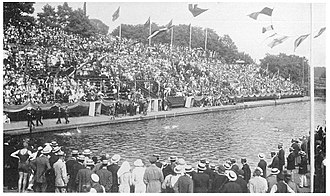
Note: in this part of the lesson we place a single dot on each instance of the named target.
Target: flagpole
(205, 39)
(172, 38)
(190, 28)
(312, 163)
(150, 32)
(120, 31)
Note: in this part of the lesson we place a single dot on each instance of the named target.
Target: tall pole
(150, 32)
(205, 39)
(172, 38)
(312, 99)
(303, 73)
(190, 29)
(120, 31)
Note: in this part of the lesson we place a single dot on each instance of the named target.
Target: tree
(289, 66)
(100, 27)
(48, 17)
(79, 23)
(63, 12)
(17, 14)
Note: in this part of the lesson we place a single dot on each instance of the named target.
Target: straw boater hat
(201, 166)
(203, 160)
(259, 169)
(179, 169)
(138, 163)
(46, 150)
(274, 171)
(74, 152)
(261, 155)
(95, 178)
(188, 168)
(172, 158)
(56, 149)
(54, 143)
(227, 166)
(231, 175)
(60, 153)
(89, 162)
(115, 158)
(302, 153)
(87, 152)
(81, 157)
(181, 161)
(105, 162)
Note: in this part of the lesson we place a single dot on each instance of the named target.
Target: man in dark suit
(262, 164)
(241, 181)
(70, 169)
(105, 176)
(281, 156)
(29, 116)
(185, 183)
(83, 178)
(38, 116)
(113, 168)
(158, 163)
(201, 180)
(76, 166)
(275, 161)
(219, 180)
(66, 115)
(59, 113)
(41, 165)
(246, 169)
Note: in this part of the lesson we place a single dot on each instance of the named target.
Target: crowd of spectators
(48, 65)
(33, 165)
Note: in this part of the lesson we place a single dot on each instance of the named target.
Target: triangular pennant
(299, 40)
(116, 14)
(147, 24)
(277, 41)
(267, 11)
(196, 10)
(269, 28)
(320, 32)
(254, 15)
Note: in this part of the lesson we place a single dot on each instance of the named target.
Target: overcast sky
(292, 19)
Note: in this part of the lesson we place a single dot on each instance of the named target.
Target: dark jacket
(76, 166)
(218, 182)
(113, 168)
(40, 165)
(243, 184)
(281, 157)
(105, 179)
(275, 163)
(290, 162)
(201, 182)
(231, 187)
(83, 178)
(263, 165)
(303, 165)
(184, 185)
(247, 172)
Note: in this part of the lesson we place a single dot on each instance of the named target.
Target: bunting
(162, 30)
(320, 32)
(269, 28)
(116, 14)
(299, 40)
(266, 11)
(195, 11)
(147, 23)
(277, 41)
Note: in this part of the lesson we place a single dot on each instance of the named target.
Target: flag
(116, 14)
(267, 11)
(299, 40)
(254, 15)
(269, 28)
(147, 24)
(196, 10)
(169, 25)
(155, 33)
(320, 32)
(277, 41)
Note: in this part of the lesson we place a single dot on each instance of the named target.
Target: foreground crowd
(46, 169)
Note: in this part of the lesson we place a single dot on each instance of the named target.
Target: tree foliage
(100, 27)
(289, 66)
(18, 14)
(222, 47)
